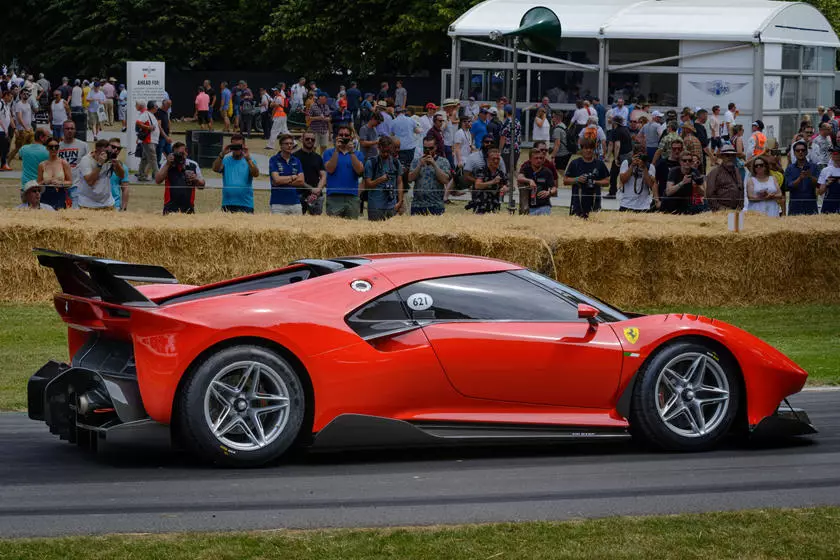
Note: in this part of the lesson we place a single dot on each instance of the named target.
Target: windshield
(608, 313)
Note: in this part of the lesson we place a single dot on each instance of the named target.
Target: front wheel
(686, 398)
(243, 406)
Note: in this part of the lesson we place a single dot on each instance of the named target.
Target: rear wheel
(686, 398)
(243, 406)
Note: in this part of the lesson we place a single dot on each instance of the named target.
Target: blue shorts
(210, 113)
(540, 211)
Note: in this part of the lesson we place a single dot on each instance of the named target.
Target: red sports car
(386, 350)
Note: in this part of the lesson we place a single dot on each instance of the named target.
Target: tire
(227, 419)
(676, 411)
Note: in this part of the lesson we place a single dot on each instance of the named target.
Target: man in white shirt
(298, 93)
(621, 110)
(637, 177)
(110, 93)
(72, 151)
(76, 97)
(729, 122)
(23, 123)
(95, 171)
(715, 126)
(96, 99)
(7, 128)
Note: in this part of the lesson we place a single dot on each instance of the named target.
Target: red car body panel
(485, 372)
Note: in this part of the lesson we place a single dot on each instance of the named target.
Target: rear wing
(104, 279)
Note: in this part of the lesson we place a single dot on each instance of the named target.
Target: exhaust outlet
(93, 400)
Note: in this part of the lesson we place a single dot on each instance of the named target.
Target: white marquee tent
(775, 60)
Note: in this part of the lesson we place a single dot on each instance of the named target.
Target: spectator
(383, 92)
(44, 88)
(479, 127)
(383, 128)
(463, 143)
(680, 186)
(436, 132)
(594, 132)
(536, 184)
(691, 143)
(354, 103)
(32, 156)
(248, 109)
(667, 139)
(384, 183)
(211, 94)
(757, 142)
(478, 159)
(724, 186)
(119, 185)
(542, 125)
(545, 105)
(59, 113)
(620, 110)
(737, 139)
(238, 171)
(164, 146)
(76, 98)
(319, 117)
(494, 125)
(586, 174)
(54, 174)
(287, 178)
(31, 197)
(451, 127)
(490, 184)
(65, 90)
(580, 118)
(471, 108)
(23, 123)
(202, 109)
(85, 91)
(146, 127)
(622, 150)
(542, 146)
(110, 92)
(762, 188)
(226, 105)
(430, 173)
(427, 121)
(7, 128)
(369, 137)
(314, 175)
(279, 120)
(510, 137)
(123, 106)
(405, 129)
(343, 166)
(72, 151)
(651, 133)
(801, 178)
(181, 176)
(729, 122)
(560, 153)
(342, 116)
(266, 114)
(829, 182)
(298, 93)
(96, 99)
(821, 147)
(400, 95)
(95, 186)
(638, 182)
(702, 130)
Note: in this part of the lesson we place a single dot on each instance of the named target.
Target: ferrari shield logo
(631, 334)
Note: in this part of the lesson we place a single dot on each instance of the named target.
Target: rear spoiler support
(105, 279)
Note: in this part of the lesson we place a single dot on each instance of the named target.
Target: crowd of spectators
(353, 150)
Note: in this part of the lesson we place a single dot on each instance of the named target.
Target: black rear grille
(106, 355)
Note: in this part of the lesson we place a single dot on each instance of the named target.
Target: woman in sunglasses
(55, 175)
(762, 189)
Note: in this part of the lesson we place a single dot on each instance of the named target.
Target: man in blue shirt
(238, 171)
(479, 127)
(405, 128)
(344, 166)
(225, 105)
(601, 111)
(801, 178)
(384, 182)
(354, 102)
(286, 173)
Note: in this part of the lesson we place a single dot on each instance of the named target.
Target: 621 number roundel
(420, 302)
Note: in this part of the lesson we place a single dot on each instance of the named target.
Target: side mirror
(589, 313)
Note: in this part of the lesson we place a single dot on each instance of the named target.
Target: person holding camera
(343, 166)
(181, 175)
(430, 173)
(637, 178)
(286, 173)
(801, 179)
(119, 185)
(681, 186)
(384, 182)
(586, 175)
(95, 170)
(829, 182)
(490, 184)
(238, 171)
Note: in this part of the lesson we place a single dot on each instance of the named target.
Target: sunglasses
(344, 136)
(686, 160)
(758, 165)
(117, 148)
(52, 147)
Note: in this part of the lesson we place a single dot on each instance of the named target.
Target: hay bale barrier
(629, 260)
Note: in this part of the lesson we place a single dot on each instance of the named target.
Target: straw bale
(629, 260)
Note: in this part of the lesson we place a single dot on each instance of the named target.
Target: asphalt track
(48, 487)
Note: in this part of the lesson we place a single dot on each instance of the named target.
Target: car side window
(384, 315)
(497, 296)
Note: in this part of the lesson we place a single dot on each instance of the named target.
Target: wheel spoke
(222, 417)
(677, 409)
(223, 392)
(246, 377)
(259, 431)
(671, 376)
(695, 417)
(270, 408)
(669, 406)
(231, 424)
(712, 400)
(250, 433)
(694, 375)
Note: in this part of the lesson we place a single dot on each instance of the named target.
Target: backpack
(590, 133)
(571, 141)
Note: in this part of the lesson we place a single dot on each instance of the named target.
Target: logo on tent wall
(718, 88)
(772, 87)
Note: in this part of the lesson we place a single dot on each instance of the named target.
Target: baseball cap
(431, 107)
(493, 111)
(759, 124)
(657, 114)
(483, 111)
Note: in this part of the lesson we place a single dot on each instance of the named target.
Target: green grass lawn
(31, 334)
(808, 533)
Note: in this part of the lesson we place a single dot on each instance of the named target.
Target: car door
(500, 336)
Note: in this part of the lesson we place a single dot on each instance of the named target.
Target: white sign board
(145, 81)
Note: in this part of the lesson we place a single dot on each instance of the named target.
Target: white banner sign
(145, 82)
